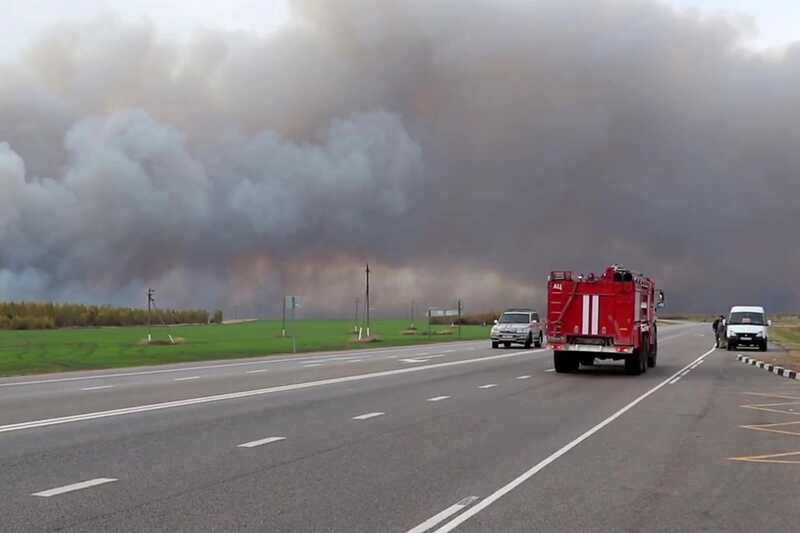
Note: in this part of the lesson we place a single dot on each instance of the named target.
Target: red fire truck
(611, 316)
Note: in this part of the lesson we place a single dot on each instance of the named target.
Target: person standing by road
(719, 327)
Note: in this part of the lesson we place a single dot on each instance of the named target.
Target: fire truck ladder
(557, 322)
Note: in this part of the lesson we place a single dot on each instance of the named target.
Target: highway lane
(52, 397)
(11, 386)
(681, 460)
(435, 438)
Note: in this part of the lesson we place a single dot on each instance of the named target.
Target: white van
(746, 326)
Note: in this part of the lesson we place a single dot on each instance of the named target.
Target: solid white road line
(99, 387)
(367, 416)
(502, 491)
(488, 386)
(414, 360)
(254, 392)
(259, 371)
(444, 515)
(75, 486)
(260, 361)
(261, 442)
(187, 378)
(682, 374)
(312, 364)
(523, 377)
(438, 398)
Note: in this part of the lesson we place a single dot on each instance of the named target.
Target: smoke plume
(464, 149)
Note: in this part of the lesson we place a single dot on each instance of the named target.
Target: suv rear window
(515, 318)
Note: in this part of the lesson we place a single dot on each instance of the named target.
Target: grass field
(786, 333)
(29, 352)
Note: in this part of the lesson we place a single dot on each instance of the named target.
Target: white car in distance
(517, 326)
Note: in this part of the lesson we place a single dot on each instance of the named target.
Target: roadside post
(459, 318)
(429, 323)
(150, 301)
(283, 316)
(293, 302)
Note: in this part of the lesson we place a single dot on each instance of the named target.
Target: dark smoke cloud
(463, 148)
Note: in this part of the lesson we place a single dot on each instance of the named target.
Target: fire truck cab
(611, 316)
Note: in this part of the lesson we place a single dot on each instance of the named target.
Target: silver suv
(519, 326)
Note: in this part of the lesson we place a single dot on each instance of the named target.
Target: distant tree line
(40, 315)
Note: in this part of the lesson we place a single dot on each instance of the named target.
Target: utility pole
(459, 318)
(150, 300)
(367, 299)
(294, 341)
(283, 316)
(429, 323)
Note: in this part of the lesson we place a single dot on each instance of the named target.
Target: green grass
(30, 352)
(786, 333)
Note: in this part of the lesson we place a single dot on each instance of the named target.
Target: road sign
(443, 312)
(294, 302)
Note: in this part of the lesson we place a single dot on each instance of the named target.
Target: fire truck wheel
(651, 355)
(633, 363)
(529, 341)
(539, 341)
(564, 362)
(645, 355)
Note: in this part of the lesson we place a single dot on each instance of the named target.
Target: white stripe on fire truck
(585, 317)
(595, 313)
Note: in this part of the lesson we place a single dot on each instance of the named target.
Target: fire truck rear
(611, 316)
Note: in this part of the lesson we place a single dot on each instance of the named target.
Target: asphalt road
(448, 437)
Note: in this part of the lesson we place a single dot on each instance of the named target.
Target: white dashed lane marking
(261, 442)
(367, 416)
(75, 486)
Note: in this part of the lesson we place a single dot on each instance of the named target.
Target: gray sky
(776, 20)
